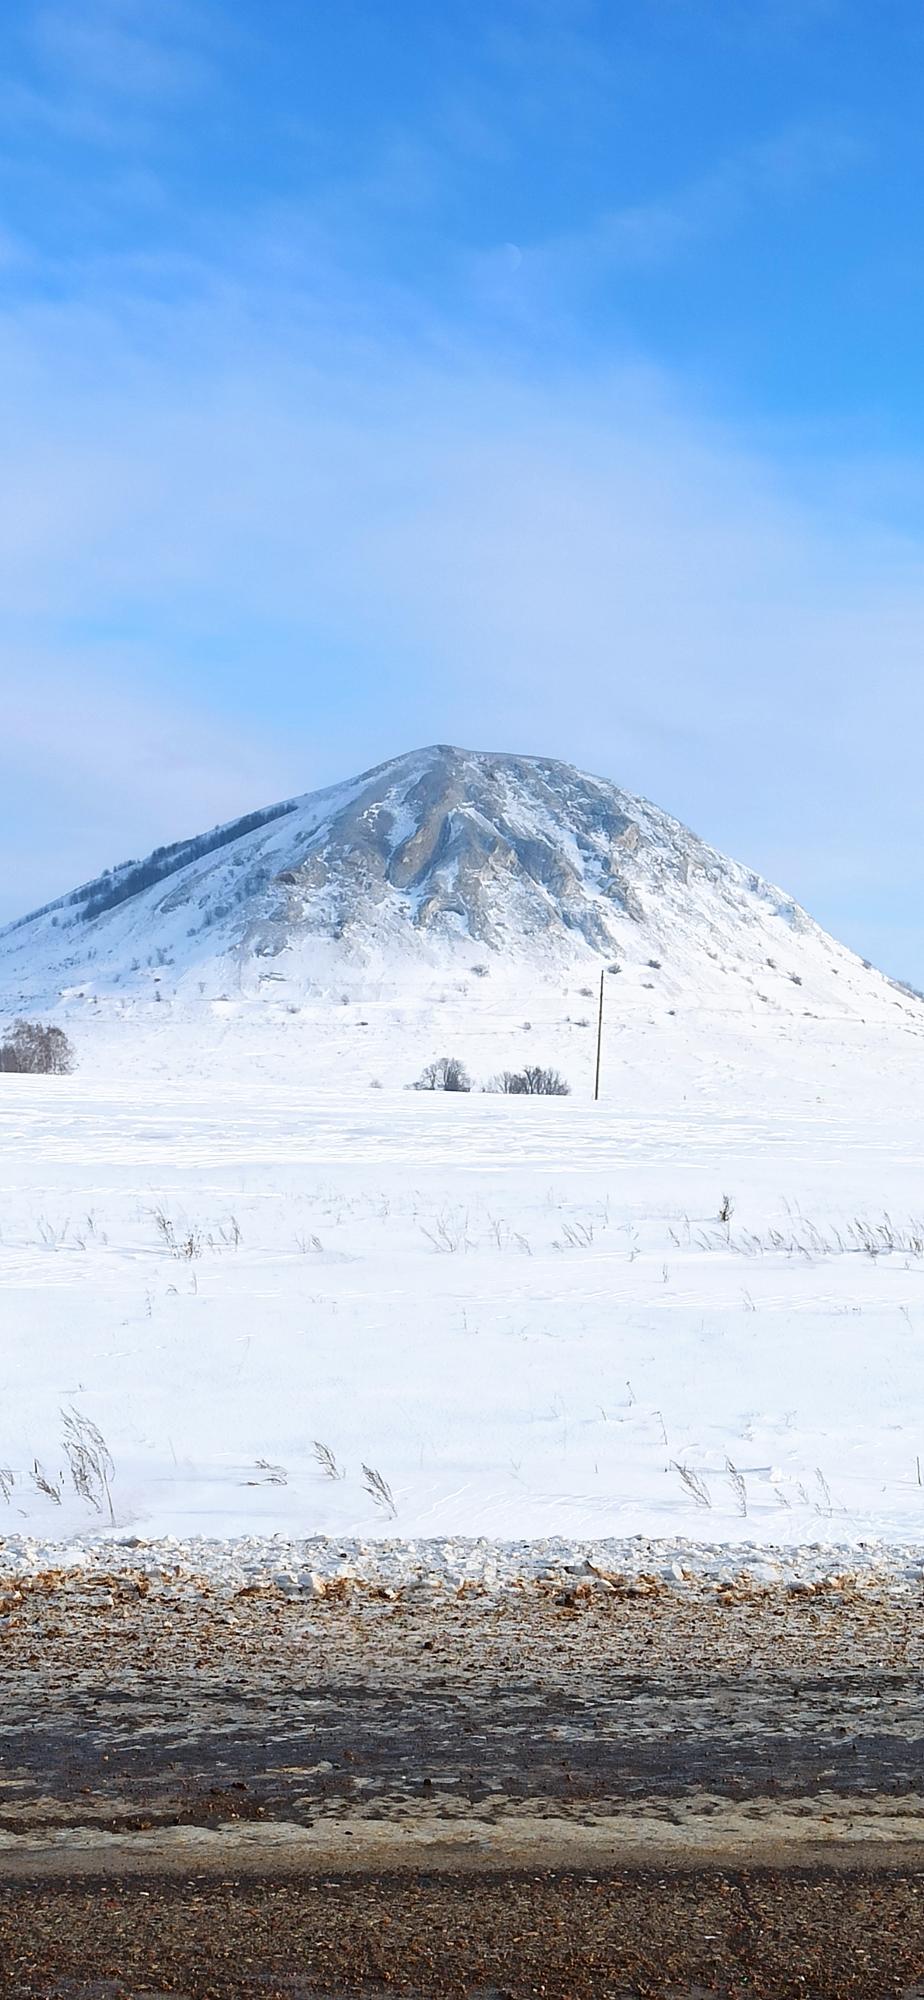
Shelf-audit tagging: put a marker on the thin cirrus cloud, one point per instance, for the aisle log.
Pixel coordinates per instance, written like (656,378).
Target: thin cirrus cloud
(764,174)
(82,85)
(125,49)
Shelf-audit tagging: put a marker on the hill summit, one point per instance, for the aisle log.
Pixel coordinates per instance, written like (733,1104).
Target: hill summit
(448,859)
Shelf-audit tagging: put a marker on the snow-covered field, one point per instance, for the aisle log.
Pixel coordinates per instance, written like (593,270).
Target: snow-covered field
(525,1316)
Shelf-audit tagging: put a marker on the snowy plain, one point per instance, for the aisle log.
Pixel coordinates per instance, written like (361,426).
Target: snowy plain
(232,1238)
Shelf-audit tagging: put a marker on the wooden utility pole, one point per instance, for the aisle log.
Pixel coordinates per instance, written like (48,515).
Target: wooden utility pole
(599,1041)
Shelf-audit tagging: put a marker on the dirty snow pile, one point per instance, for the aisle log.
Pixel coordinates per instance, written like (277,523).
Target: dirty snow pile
(308,1568)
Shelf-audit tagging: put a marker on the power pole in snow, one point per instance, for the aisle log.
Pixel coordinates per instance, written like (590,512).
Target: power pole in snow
(599,1041)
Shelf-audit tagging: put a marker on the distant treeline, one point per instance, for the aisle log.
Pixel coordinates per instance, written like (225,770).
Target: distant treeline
(107,893)
(117,885)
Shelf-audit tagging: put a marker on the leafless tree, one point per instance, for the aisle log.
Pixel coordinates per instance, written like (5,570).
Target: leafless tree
(36,1048)
(447,1073)
(533,1081)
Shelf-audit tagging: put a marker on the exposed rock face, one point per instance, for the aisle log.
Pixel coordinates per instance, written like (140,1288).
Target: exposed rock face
(495,848)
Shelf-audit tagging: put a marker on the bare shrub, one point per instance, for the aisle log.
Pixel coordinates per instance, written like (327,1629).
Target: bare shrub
(575,1236)
(90,1463)
(51,1236)
(188,1244)
(545,1082)
(447,1073)
(448,1231)
(532,1081)
(694,1484)
(808,1239)
(327,1461)
(36,1048)
(379,1490)
(738,1486)
(43,1484)
(163,1223)
(273,1475)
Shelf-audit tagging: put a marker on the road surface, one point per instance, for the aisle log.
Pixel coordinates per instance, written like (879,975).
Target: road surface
(575,1787)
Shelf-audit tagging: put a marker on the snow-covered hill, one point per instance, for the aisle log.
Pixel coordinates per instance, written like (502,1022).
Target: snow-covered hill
(236,1231)
(442,863)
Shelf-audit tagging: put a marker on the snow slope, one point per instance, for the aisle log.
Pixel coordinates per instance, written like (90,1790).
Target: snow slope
(427,874)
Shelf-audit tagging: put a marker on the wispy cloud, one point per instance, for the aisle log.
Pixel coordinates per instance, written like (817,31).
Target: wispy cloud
(124,48)
(104,75)
(651,233)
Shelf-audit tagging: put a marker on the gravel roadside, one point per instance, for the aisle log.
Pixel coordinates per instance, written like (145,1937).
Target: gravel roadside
(589,1782)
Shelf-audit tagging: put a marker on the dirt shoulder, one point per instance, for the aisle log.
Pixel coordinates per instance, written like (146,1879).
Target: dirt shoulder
(680,1936)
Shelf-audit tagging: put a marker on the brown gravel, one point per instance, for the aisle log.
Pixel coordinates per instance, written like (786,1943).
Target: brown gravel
(764,1934)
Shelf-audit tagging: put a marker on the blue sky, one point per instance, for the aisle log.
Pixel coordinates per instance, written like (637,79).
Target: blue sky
(529,374)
